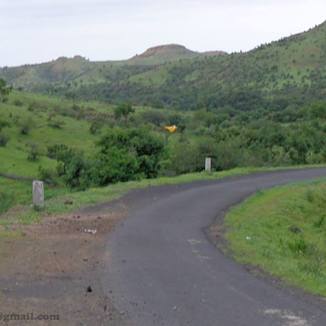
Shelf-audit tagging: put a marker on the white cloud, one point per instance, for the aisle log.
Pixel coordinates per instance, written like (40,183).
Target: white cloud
(40,30)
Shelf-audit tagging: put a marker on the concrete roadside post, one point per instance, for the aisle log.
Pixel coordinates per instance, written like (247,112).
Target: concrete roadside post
(208,164)
(38,194)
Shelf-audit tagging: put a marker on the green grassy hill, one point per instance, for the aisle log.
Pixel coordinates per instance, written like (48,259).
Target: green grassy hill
(77,71)
(289,71)
(48,121)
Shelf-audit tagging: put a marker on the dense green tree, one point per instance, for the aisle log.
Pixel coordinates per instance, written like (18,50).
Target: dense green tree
(123,111)
(146,147)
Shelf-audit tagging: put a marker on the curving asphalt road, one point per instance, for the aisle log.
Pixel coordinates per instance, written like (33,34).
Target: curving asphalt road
(163,270)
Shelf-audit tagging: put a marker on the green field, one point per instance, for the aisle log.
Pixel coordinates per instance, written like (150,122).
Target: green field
(282,231)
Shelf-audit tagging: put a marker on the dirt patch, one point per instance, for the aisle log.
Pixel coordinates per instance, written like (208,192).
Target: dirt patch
(54,268)
(50,271)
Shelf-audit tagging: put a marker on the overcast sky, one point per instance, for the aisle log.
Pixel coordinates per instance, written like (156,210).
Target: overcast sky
(33,31)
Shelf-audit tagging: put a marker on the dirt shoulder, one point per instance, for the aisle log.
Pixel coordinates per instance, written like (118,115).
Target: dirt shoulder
(49,268)
(52,268)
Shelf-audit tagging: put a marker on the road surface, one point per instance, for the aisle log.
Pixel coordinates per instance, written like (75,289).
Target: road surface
(163,270)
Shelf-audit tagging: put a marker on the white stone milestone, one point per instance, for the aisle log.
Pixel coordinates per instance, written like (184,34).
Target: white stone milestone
(38,193)
(208,164)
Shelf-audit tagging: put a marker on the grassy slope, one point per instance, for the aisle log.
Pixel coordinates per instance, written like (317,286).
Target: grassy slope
(297,61)
(287,61)
(283,231)
(80,69)
(74,132)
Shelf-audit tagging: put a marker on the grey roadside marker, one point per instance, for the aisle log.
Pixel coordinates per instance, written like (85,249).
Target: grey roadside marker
(38,194)
(208,164)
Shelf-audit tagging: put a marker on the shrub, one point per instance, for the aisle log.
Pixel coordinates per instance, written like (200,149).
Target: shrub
(3,140)
(95,127)
(123,111)
(320,222)
(113,166)
(145,146)
(4,91)
(48,175)
(18,103)
(185,157)
(310,196)
(33,153)
(56,124)
(228,155)
(25,126)
(59,152)
(4,124)
(76,171)
(73,167)
(154,117)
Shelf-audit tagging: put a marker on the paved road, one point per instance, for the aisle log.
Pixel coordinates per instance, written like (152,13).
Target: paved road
(163,271)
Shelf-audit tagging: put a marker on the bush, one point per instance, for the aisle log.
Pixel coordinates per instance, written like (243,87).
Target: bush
(4,91)
(18,103)
(114,166)
(36,106)
(56,124)
(59,152)
(145,146)
(122,155)
(185,157)
(95,127)
(4,124)
(76,172)
(154,117)
(26,126)
(123,111)
(48,175)
(73,167)
(3,140)
(33,153)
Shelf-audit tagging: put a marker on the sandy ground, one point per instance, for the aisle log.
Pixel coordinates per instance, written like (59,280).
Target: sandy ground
(52,270)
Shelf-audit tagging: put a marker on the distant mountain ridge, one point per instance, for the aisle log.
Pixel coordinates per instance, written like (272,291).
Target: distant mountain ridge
(161,53)
(34,77)
(168,53)
(287,72)
(169,50)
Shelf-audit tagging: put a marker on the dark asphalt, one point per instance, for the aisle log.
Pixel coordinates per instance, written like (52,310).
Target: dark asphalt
(162,269)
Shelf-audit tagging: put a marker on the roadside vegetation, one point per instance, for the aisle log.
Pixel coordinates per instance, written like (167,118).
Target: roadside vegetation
(283,231)
(62,200)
